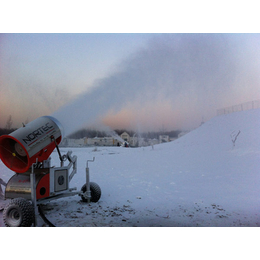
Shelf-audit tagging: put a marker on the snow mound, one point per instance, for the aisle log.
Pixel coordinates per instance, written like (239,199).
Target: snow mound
(209,177)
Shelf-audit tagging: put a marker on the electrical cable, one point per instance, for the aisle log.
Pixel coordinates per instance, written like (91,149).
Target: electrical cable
(44,218)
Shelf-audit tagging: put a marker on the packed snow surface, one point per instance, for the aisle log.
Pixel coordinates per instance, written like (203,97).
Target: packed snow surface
(209,177)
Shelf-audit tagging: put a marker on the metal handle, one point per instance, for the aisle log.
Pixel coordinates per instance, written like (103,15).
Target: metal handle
(90,161)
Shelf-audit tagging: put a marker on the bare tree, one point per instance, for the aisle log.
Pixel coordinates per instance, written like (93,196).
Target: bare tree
(234,136)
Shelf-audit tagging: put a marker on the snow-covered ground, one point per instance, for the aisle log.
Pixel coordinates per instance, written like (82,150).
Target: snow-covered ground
(200,179)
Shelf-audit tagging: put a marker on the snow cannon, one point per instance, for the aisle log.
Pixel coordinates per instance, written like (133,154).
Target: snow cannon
(35,140)
(27,151)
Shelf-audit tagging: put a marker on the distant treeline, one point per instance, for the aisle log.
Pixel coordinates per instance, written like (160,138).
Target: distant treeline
(90,133)
(5,131)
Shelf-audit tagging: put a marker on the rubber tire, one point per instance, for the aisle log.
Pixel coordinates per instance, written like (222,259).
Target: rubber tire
(18,213)
(94,190)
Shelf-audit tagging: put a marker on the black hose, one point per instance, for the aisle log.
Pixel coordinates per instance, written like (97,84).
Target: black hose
(44,218)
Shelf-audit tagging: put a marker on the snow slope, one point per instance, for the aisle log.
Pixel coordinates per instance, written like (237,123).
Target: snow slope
(200,179)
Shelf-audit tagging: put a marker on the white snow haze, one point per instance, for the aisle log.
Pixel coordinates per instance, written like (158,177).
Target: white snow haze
(175,81)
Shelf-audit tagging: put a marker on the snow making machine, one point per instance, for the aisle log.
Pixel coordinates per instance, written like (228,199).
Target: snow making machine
(26,151)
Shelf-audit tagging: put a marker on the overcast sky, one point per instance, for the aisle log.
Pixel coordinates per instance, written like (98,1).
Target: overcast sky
(136,81)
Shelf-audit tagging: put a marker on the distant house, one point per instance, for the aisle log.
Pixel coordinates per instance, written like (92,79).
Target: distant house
(96,141)
(153,141)
(164,138)
(136,141)
(125,136)
(101,141)
(73,142)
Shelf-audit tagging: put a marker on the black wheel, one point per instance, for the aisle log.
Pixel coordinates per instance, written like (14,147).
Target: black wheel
(94,190)
(18,213)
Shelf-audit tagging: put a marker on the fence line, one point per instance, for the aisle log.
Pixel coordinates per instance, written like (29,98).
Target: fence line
(241,107)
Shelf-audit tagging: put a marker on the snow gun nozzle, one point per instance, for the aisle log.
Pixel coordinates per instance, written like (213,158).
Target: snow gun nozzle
(35,140)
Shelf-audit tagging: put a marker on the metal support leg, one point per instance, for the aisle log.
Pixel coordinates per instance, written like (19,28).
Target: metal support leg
(88,185)
(1,191)
(87,181)
(33,195)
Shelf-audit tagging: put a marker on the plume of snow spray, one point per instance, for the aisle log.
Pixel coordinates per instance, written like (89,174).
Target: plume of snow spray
(193,73)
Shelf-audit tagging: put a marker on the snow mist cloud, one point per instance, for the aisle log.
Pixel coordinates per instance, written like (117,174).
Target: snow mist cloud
(177,81)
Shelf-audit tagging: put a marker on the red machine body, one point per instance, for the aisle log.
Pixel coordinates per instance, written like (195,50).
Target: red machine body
(27,151)
(36,140)
(19,185)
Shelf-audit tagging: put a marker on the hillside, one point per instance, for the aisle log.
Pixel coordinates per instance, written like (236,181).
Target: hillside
(201,179)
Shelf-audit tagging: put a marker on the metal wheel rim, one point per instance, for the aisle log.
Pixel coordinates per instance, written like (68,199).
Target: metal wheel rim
(14,217)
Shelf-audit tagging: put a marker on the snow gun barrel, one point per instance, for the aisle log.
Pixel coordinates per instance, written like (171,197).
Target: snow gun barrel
(34,141)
